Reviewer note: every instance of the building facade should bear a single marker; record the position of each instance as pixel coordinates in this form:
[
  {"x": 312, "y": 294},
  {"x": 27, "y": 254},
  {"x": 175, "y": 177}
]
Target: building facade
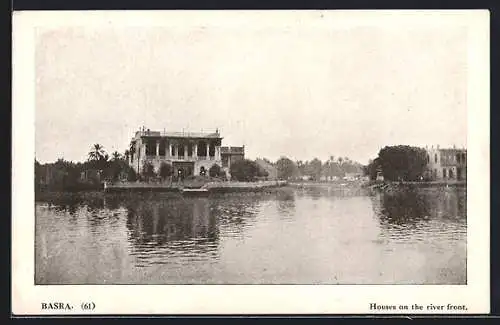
[
  {"x": 229, "y": 156},
  {"x": 446, "y": 163},
  {"x": 187, "y": 152}
]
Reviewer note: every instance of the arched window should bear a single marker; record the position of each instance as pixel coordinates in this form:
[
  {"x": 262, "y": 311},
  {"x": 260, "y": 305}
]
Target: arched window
[
  {"x": 202, "y": 171},
  {"x": 435, "y": 158},
  {"x": 450, "y": 173}
]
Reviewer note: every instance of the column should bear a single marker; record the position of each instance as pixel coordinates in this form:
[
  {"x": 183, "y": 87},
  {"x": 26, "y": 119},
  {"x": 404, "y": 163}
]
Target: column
[
  {"x": 170, "y": 149},
  {"x": 157, "y": 149},
  {"x": 208, "y": 152},
  {"x": 195, "y": 151},
  {"x": 185, "y": 151}
]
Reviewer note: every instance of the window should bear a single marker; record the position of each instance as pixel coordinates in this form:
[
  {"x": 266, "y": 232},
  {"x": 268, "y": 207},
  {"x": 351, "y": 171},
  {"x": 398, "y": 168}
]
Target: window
[
  {"x": 150, "y": 148},
  {"x": 450, "y": 173},
  {"x": 202, "y": 149},
  {"x": 163, "y": 148},
  {"x": 211, "y": 150},
  {"x": 173, "y": 151},
  {"x": 435, "y": 158},
  {"x": 444, "y": 173}
]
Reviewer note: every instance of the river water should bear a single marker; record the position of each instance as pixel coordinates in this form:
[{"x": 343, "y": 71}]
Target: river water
[{"x": 318, "y": 235}]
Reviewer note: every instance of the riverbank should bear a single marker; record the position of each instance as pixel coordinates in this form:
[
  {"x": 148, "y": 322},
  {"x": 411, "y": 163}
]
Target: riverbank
[
  {"x": 410, "y": 185},
  {"x": 210, "y": 186},
  {"x": 97, "y": 197}
]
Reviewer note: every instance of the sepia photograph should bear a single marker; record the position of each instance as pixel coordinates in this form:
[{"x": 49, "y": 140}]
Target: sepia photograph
[{"x": 292, "y": 149}]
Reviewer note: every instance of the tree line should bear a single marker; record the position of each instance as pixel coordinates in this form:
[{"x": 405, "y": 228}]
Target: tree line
[
  {"x": 316, "y": 169},
  {"x": 67, "y": 175},
  {"x": 100, "y": 166}
]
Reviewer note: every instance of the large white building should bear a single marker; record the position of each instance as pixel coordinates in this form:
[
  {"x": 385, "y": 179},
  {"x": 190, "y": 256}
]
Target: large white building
[{"x": 189, "y": 153}]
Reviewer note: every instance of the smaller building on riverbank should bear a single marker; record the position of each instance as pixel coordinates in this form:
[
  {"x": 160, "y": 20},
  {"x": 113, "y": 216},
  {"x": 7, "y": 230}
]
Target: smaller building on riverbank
[
  {"x": 446, "y": 163},
  {"x": 231, "y": 155}
]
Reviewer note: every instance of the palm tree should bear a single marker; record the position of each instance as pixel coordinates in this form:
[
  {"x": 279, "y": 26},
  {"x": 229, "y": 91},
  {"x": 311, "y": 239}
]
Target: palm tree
[
  {"x": 98, "y": 157},
  {"x": 97, "y": 153},
  {"x": 115, "y": 156}
]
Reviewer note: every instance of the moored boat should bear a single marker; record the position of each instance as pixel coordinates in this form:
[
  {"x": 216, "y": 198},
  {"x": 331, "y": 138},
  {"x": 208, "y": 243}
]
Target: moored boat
[{"x": 195, "y": 191}]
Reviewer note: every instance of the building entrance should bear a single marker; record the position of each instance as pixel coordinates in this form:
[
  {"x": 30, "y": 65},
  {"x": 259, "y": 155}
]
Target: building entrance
[{"x": 183, "y": 169}]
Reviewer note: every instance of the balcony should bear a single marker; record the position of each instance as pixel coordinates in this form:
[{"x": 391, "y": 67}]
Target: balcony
[{"x": 190, "y": 158}]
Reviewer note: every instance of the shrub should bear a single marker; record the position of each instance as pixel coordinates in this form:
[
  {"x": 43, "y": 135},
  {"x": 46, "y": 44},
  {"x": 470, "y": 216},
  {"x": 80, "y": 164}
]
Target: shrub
[
  {"x": 148, "y": 170},
  {"x": 244, "y": 170},
  {"x": 166, "y": 170},
  {"x": 215, "y": 171}
]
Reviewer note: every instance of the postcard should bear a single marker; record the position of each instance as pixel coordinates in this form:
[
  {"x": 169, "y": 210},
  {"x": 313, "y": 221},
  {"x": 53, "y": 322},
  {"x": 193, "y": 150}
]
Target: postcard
[{"x": 250, "y": 162}]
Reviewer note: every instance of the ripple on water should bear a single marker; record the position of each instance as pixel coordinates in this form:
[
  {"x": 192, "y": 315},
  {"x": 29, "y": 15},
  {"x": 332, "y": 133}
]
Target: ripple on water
[{"x": 303, "y": 236}]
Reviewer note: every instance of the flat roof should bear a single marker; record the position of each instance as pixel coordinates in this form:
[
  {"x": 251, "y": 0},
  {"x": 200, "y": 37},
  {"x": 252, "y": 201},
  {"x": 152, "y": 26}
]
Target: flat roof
[{"x": 212, "y": 135}]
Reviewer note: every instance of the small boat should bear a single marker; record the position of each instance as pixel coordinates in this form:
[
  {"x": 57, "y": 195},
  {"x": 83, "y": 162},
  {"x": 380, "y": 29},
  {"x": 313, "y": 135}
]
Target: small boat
[{"x": 195, "y": 191}]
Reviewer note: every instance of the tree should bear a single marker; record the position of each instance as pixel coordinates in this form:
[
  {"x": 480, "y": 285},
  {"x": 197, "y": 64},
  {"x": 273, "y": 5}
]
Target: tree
[
  {"x": 313, "y": 169},
  {"x": 38, "y": 174},
  {"x": 132, "y": 150},
  {"x": 244, "y": 170},
  {"x": 116, "y": 156},
  {"x": 166, "y": 170},
  {"x": 372, "y": 168},
  {"x": 98, "y": 157},
  {"x": 131, "y": 175},
  {"x": 97, "y": 153},
  {"x": 215, "y": 171},
  {"x": 286, "y": 168},
  {"x": 402, "y": 162},
  {"x": 148, "y": 170}
]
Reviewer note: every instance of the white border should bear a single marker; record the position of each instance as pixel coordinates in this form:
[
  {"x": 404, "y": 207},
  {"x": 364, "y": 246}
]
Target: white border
[{"x": 247, "y": 299}]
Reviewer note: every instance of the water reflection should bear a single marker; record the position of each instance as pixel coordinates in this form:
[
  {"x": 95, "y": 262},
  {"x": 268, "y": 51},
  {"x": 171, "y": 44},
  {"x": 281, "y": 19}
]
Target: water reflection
[
  {"x": 286, "y": 203},
  {"x": 426, "y": 229},
  {"x": 159, "y": 222},
  {"x": 414, "y": 206},
  {"x": 321, "y": 235},
  {"x": 175, "y": 226},
  {"x": 235, "y": 213},
  {"x": 339, "y": 190}
]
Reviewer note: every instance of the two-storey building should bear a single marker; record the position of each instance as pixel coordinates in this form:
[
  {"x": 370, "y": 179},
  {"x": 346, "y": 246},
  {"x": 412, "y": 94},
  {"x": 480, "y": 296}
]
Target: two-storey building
[
  {"x": 189, "y": 153},
  {"x": 447, "y": 163}
]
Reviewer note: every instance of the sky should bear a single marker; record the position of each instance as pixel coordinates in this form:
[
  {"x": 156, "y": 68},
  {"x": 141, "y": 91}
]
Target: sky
[{"x": 298, "y": 90}]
